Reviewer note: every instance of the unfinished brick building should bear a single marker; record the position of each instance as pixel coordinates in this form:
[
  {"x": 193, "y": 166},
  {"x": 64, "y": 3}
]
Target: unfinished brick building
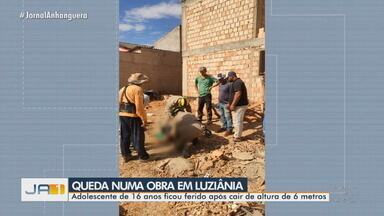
[{"x": 224, "y": 35}]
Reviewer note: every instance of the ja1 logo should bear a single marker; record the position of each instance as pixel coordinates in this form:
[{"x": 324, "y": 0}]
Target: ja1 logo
[
  {"x": 44, "y": 189},
  {"x": 51, "y": 189}
]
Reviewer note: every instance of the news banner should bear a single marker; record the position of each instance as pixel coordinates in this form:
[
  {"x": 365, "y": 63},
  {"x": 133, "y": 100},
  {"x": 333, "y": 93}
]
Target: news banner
[{"x": 154, "y": 190}]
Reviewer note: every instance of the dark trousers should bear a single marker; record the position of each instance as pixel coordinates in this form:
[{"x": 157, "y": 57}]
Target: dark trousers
[
  {"x": 207, "y": 100},
  {"x": 131, "y": 131}
]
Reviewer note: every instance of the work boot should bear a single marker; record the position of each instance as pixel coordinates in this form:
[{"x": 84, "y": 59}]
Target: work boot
[
  {"x": 127, "y": 158},
  {"x": 144, "y": 157},
  {"x": 237, "y": 139},
  {"x": 186, "y": 152},
  {"x": 227, "y": 133}
]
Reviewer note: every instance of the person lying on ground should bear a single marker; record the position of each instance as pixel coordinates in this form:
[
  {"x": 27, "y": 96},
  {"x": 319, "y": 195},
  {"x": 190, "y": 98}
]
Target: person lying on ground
[{"x": 183, "y": 131}]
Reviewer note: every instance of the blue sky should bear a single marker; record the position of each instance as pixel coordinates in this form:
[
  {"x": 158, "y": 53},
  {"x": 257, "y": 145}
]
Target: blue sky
[{"x": 145, "y": 21}]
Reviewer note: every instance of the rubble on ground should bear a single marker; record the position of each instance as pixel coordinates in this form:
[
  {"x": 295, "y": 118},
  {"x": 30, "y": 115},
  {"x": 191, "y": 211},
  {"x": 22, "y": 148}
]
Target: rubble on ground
[
  {"x": 177, "y": 166},
  {"x": 242, "y": 155}
]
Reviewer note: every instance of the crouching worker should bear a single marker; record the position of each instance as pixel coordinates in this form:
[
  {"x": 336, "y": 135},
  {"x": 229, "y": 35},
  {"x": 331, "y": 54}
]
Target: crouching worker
[
  {"x": 183, "y": 131},
  {"x": 133, "y": 118},
  {"x": 175, "y": 104}
]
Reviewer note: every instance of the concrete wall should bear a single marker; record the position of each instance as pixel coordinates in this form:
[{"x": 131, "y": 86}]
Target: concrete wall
[
  {"x": 170, "y": 41},
  {"x": 222, "y": 36},
  {"x": 163, "y": 67}
]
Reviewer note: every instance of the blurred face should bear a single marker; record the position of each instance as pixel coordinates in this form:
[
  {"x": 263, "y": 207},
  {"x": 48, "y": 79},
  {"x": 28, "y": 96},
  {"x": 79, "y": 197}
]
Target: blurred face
[
  {"x": 203, "y": 72},
  {"x": 231, "y": 79}
]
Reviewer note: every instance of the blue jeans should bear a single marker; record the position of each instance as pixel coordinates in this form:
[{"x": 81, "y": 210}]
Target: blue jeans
[{"x": 225, "y": 117}]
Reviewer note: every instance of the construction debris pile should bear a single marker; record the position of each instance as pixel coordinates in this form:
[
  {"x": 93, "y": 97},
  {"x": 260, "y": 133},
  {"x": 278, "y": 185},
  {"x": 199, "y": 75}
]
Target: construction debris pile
[{"x": 216, "y": 156}]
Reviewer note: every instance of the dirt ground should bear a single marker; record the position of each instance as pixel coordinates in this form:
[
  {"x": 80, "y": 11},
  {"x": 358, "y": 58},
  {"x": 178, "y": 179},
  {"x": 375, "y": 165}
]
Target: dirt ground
[{"x": 217, "y": 156}]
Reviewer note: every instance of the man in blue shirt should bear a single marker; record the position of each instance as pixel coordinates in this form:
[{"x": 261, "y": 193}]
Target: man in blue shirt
[{"x": 225, "y": 113}]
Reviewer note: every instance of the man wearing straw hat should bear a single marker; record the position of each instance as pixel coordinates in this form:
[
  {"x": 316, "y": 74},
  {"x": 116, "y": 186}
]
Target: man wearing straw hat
[{"x": 133, "y": 118}]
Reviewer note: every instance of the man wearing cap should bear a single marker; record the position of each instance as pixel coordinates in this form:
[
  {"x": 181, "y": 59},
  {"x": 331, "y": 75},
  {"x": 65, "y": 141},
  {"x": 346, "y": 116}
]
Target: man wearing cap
[
  {"x": 238, "y": 103},
  {"x": 224, "y": 97},
  {"x": 203, "y": 85},
  {"x": 133, "y": 118}
]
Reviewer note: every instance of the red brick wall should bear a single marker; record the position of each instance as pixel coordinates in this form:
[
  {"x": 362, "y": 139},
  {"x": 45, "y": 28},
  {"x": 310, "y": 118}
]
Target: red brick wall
[
  {"x": 214, "y": 22},
  {"x": 164, "y": 68},
  {"x": 219, "y": 35}
]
